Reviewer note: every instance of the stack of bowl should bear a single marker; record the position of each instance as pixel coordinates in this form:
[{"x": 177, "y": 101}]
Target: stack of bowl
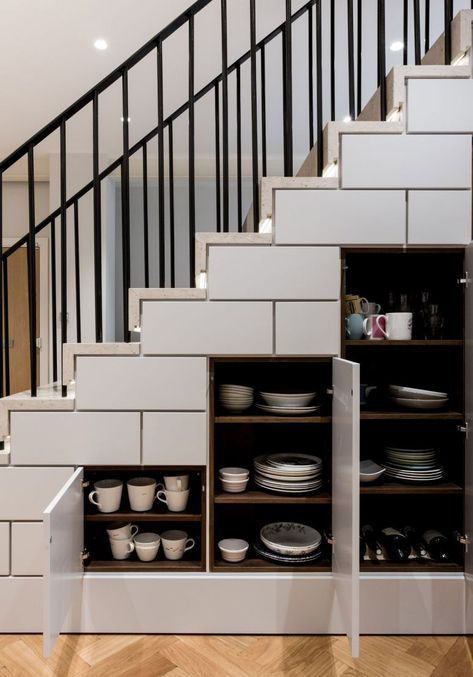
[
  {"x": 234, "y": 480},
  {"x": 288, "y": 403},
  {"x": 236, "y": 398},
  {"x": 233, "y": 549}
]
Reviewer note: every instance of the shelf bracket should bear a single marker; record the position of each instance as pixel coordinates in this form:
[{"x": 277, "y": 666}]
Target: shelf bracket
[
  {"x": 329, "y": 391},
  {"x": 85, "y": 484},
  {"x": 464, "y": 540},
  {"x": 465, "y": 280},
  {"x": 464, "y": 429}
]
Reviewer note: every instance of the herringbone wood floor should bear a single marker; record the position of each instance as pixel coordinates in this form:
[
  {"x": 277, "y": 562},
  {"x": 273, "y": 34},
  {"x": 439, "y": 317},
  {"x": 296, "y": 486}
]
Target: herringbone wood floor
[{"x": 230, "y": 656}]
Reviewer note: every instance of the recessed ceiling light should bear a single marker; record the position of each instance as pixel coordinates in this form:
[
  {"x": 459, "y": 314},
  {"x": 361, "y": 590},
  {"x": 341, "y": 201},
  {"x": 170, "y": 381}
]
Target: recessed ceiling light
[
  {"x": 101, "y": 44},
  {"x": 396, "y": 46}
]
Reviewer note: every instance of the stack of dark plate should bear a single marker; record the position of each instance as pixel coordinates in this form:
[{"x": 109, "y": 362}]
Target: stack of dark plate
[
  {"x": 289, "y": 543},
  {"x": 411, "y": 464},
  {"x": 288, "y": 473}
]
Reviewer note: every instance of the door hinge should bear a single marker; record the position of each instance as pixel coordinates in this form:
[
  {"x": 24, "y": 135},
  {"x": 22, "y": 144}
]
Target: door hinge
[
  {"x": 464, "y": 429},
  {"x": 464, "y": 540},
  {"x": 331, "y": 540},
  {"x": 84, "y": 484},
  {"x": 84, "y": 555},
  {"x": 465, "y": 280},
  {"x": 329, "y": 391}
]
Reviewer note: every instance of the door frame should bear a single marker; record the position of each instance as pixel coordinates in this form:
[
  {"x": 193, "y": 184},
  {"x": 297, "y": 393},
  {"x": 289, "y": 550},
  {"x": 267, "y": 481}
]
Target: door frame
[{"x": 44, "y": 307}]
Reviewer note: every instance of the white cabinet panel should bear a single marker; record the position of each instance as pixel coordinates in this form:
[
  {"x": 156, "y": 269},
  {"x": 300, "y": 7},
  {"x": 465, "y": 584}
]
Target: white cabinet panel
[
  {"x": 308, "y": 328},
  {"x": 62, "y": 438},
  {"x": 272, "y": 273},
  {"x": 340, "y": 217},
  {"x": 206, "y": 328},
  {"x": 25, "y": 492},
  {"x": 171, "y": 438},
  {"x": 406, "y": 161},
  {"x": 4, "y": 548},
  {"x": 440, "y": 105},
  {"x": 21, "y": 609},
  {"x": 143, "y": 383},
  {"x": 439, "y": 217},
  {"x": 27, "y": 549}
]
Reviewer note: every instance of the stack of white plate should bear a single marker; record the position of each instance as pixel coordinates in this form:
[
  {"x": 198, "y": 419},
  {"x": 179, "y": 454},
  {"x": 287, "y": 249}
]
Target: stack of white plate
[
  {"x": 416, "y": 398},
  {"x": 289, "y": 542},
  {"x": 288, "y": 403},
  {"x": 288, "y": 473},
  {"x": 412, "y": 464},
  {"x": 236, "y": 398}
]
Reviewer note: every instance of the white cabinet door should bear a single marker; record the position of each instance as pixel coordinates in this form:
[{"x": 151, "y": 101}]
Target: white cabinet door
[
  {"x": 63, "y": 544},
  {"x": 346, "y": 494},
  {"x": 469, "y": 442}
]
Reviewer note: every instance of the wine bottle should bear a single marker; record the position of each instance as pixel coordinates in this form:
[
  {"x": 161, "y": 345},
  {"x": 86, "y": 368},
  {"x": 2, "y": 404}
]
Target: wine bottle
[
  {"x": 437, "y": 545},
  {"x": 369, "y": 536},
  {"x": 413, "y": 537},
  {"x": 394, "y": 544}
]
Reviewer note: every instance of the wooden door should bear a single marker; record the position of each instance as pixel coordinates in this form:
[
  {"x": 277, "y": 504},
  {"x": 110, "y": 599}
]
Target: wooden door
[{"x": 18, "y": 319}]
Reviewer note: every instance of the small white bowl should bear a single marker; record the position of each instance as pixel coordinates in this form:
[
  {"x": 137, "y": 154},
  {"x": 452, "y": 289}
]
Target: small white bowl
[
  {"x": 233, "y": 549},
  {"x": 234, "y": 486},
  {"x": 234, "y": 474}
]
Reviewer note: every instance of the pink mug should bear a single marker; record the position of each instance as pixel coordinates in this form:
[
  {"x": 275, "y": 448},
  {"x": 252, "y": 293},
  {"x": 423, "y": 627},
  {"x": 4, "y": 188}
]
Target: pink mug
[{"x": 374, "y": 327}]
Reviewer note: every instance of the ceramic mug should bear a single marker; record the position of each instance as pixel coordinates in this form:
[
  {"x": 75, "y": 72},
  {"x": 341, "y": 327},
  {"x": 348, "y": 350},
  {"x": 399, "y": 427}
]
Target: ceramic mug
[
  {"x": 354, "y": 326},
  {"x": 141, "y": 493},
  {"x": 109, "y": 495},
  {"x": 353, "y": 304},
  {"x": 121, "y": 547},
  {"x": 373, "y": 327},
  {"x": 175, "y": 483},
  {"x": 147, "y": 546},
  {"x": 369, "y": 308},
  {"x": 176, "y": 543},
  {"x": 122, "y": 530},
  {"x": 398, "y": 326},
  {"x": 176, "y": 501}
]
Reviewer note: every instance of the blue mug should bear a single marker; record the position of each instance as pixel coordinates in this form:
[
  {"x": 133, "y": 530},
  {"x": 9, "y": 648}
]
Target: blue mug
[{"x": 354, "y": 326}]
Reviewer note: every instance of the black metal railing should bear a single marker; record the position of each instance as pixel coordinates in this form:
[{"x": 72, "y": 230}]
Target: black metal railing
[{"x": 226, "y": 92}]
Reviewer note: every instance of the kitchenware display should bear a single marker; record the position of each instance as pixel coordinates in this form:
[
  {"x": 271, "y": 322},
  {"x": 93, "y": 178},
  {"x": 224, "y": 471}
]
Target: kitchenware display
[
  {"x": 353, "y": 304},
  {"x": 369, "y": 308},
  {"x": 234, "y": 480},
  {"x": 121, "y": 547},
  {"x": 374, "y": 326},
  {"x": 176, "y": 543},
  {"x": 288, "y": 473},
  {"x": 398, "y": 326},
  {"x": 412, "y": 464},
  {"x": 370, "y": 471},
  {"x": 147, "y": 546},
  {"x": 233, "y": 549},
  {"x": 141, "y": 493},
  {"x": 290, "y": 538},
  {"x": 354, "y": 326},
  {"x": 175, "y": 483},
  {"x": 108, "y": 495},
  {"x": 416, "y": 398},
  {"x": 122, "y": 530},
  {"x": 176, "y": 501},
  {"x": 236, "y": 398}
]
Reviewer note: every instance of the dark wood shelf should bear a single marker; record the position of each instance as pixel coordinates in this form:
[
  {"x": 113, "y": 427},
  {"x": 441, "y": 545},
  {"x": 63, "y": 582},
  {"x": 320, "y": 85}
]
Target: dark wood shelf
[
  {"x": 398, "y": 489},
  {"x": 402, "y": 415},
  {"x": 255, "y": 418},
  {"x": 260, "y": 565},
  {"x": 127, "y": 565},
  {"x": 151, "y": 516},
  {"x": 412, "y": 566},
  {"x": 261, "y": 497},
  {"x": 420, "y": 343}
]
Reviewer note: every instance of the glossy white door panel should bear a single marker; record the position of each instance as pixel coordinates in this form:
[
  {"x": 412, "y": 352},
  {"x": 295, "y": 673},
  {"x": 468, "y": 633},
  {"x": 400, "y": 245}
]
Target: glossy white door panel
[
  {"x": 206, "y": 328},
  {"x": 142, "y": 383},
  {"x": 27, "y": 549},
  {"x": 22, "y": 604},
  {"x": 308, "y": 328},
  {"x": 175, "y": 438},
  {"x": 60, "y": 438},
  {"x": 345, "y": 217},
  {"x": 406, "y": 161},
  {"x": 439, "y": 217},
  {"x": 439, "y": 105},
  {"x": 25, "y": 492},
  {"x": 63, "y": 544},
  {"x": 469, "y": 441},
  {"x": 4, "y": 548},
  {"x": 346, "y": 494},
  {"x": 273, "y": 273}
]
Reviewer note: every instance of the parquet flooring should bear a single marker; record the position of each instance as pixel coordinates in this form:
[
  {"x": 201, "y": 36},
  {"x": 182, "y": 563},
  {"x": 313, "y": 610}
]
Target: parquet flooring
[{"x": 235, "y": 656}]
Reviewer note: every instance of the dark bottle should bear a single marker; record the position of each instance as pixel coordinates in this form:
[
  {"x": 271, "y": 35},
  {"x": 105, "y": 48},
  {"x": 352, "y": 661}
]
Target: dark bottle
[
  {"x": 413, "y": 537},
  {"x": 369, "y": 536},
  {"x": 395, "y": 545},
  {"x": 437, "y": 545}
]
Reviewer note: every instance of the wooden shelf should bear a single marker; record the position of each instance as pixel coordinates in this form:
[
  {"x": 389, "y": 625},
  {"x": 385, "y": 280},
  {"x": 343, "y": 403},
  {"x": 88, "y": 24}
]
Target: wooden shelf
[
  {"x": 272, "y": 419},
  {"x": 260, "y": 565},
  {"x": 420, "y": 343},
  {"x": 399, "y": 415},
  {"x": 261, "y": 497},
  {"x": 398, "y": 489},
  {"x": 128, "y": 565},
  {"x": 412, "y": 566},
  {"x": 151, "y": 516}
]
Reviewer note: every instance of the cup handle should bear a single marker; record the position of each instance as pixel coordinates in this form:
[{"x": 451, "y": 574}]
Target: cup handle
[
  {"x": 378, "y": 308},
  {"x": 91, "y": 499},
  {"x": 134, "y": 530},
  {"x": 365, "y": 325},
  {"x": 131, "y": 547},
  {"x": 160, "y": 487},
  {"x": 378, "y": 317},
  {"x": 191, "y": 544},
  {"x": 362, "y": 301},
  {"x": 158, "y": 496},
  {"x": 347, "y": 330}
]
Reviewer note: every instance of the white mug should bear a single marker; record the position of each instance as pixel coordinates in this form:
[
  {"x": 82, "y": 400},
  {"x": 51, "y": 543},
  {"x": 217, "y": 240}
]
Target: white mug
[
  {"x": 176, "y": 501},
  {"x": 147, "y": 546},
  {"x": 176, "y": 543},
  {"x": 398, "y": 326},
  {"x": 121, "y": 547},
  {"x": 120, "y": 530},
  {"x": 175, "y": 482},
  {"x": 141, "y": 493},
  {"x": 109, "y": 495}
]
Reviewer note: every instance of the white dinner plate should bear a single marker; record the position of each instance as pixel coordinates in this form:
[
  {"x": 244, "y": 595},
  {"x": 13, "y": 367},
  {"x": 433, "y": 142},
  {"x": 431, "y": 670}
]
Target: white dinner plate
[
  {"x": 287, "y": 411},
  {"x": 290, "y": 538}
]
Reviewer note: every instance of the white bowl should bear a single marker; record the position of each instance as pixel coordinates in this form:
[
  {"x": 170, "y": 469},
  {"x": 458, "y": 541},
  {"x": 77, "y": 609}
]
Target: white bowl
[
  {"x": 235, "y": 474},
  {"x": 409, "y": 403},
  {"x": 234, "y": 487},
  {"x": 295, "y": 400},
  {"x": 233, "y": 549},
  {"x": 416, "y": 393},
  {"x": 370, "y": 471}
]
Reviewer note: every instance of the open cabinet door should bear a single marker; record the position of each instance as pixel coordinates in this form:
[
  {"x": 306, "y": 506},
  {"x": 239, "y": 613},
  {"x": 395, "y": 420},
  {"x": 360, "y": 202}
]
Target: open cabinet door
[
  {"x": 346, "y": 494},
  {"x": 469, "y": 441},
  {"x": 63, "y": 523}
]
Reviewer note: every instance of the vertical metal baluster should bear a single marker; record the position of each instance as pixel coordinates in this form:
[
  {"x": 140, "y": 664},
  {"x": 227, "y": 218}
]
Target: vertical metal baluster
[
  {"x": 310, "y": 56},
  {"x": 359, "y": 63},
  {"x": 263, "y": 112},
  {"x": 254, "y": 115},
  {"x": 1, "y": 292},
  {"x": 77, "y": 270},
  {"x": 63, "y": 217},
  {"x": 6, "y": 325},
  {"x": 417, "y": 32},
  {"x": 238, "y": 123},
  {"x": 125, "y": 205},
  {"x": 351, "y": 61},
  {"x": 405, "y": 32},
  {"x": 145, "y": 214},
  {"x": 217, "y": 159},
  {"x": 54, "y": 298},
  {"x": 191, "y": 154},
  {"x": 448, "y": 16},
  {"x": 225, "y": 172},
  {"x": 31, "y": 252},
  {"x": 161, "y": 210},
  {"x": 427, "y": 27},
  {"x": 287, "y": 91},
  {"x": 332, "y": 58},
  {"x": 172, "y": 243},
  {"x": 319, "y": 102},
  {"x": 382, "y": 58},
  {"x": 97, "y": 222}
]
